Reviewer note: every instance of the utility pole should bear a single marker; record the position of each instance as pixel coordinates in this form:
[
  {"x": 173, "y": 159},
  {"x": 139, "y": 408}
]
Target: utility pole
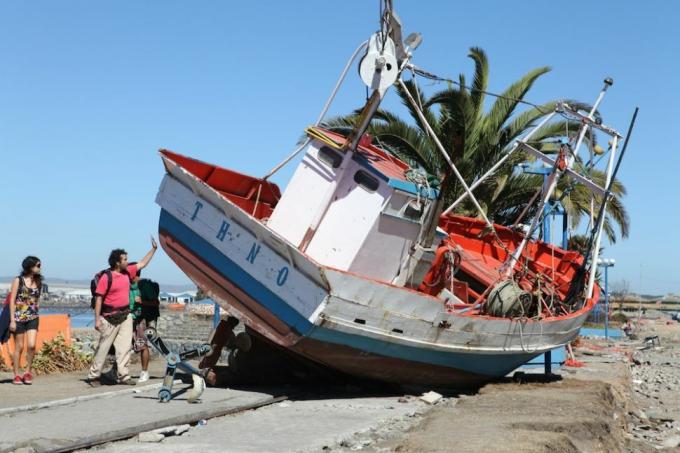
[
  {"x": 606, "y": 264},
  {"x": 640, "y": 297}
]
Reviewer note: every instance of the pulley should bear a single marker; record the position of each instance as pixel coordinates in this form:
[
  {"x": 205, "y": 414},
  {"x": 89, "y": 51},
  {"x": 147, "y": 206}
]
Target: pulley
[{"x": 379, "y": 68}]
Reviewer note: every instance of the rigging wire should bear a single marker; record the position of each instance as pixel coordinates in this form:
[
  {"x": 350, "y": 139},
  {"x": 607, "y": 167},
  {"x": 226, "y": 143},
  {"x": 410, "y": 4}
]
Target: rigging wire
[{"x": 431, "y": 76}]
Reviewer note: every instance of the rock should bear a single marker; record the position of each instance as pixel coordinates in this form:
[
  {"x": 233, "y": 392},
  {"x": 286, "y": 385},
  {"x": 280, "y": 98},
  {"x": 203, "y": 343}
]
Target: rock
[
  {"x": 659, "y": 416},
  {"x": 25, "y": 450},
  {"x": 639, "y": 414},
  {"x": 150, "y": 436},
  {"x": 431, "y": 397},
  {"x": 671, "y": 442}
]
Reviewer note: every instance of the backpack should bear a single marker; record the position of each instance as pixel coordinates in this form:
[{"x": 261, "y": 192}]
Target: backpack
[
  {"x": 9, "y": 294},
  {"x": 149, "y": 290},
  {"x": 95, "y": 281}
]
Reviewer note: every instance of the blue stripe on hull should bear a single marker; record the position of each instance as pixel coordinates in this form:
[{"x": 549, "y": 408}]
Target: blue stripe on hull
[
  {"x": 474, "y": 362},
  {"x": 234, "y": 273},
  {"x": 488, "y": 365}
]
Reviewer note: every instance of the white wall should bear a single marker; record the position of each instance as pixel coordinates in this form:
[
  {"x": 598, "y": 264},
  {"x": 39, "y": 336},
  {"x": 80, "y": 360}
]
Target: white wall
[
  {"x": 303, "y": 195},
  {"x": 354, "y": 235},
  {"x": 348, "y": 221}
]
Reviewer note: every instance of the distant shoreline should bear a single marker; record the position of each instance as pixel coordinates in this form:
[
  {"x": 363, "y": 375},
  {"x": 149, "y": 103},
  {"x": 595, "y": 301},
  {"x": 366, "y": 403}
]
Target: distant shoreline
[{"x": 85, "y": 284}]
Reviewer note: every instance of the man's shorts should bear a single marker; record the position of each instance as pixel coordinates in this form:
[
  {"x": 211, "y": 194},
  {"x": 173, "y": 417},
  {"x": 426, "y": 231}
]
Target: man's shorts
[
  {"x": 139, "y": 341},
  {"x": 24, "y": 326}
]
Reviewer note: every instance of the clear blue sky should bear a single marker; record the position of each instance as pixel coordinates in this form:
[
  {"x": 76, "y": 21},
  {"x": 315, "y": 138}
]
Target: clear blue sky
[{"x": 90, "y": 90}]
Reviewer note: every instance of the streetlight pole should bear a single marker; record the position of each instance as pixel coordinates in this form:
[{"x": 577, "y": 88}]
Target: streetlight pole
[{"x": 606, "y": 263}]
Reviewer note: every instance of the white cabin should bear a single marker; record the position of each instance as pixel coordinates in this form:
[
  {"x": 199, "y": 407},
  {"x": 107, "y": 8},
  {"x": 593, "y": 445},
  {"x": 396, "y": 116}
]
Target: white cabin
[{"x": 358, "y": 214}]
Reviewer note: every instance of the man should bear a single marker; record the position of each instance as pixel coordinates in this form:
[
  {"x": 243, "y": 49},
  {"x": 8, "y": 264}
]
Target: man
[
  {"x": 112, "y": 315},
  {"x": 144, "y": 304}
]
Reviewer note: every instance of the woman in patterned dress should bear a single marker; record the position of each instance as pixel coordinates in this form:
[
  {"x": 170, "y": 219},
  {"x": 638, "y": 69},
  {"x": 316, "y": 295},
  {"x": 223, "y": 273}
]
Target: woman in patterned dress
[{"x": 24, "y": 319}]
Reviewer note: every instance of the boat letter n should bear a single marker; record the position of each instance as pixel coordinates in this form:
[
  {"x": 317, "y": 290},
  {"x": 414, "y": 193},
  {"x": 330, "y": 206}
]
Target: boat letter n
[
  {"x": 254, "y": 250},
  {"x": 223, "y": 230}
]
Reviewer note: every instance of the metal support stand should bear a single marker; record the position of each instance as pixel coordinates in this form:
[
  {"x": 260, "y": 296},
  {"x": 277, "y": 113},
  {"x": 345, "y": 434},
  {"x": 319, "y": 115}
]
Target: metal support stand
[
  {"x": 548, "y": 210},
  {"x": 548, "y": 362},
  {"x": 216, "y": 315},
  {"x": 178, "y": 360}
]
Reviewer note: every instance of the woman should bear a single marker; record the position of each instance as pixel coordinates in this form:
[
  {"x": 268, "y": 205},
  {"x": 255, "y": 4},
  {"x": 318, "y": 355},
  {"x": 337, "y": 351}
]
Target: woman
[{"x": 23, "y": 312}]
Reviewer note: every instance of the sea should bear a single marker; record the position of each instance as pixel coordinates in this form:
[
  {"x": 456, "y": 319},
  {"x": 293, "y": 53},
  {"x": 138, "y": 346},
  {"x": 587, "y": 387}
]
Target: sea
[{"x": 81, "y": 317}]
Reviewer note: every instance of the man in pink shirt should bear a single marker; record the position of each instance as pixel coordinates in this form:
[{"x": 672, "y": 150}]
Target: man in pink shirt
[{"x": 112, "y": 314}]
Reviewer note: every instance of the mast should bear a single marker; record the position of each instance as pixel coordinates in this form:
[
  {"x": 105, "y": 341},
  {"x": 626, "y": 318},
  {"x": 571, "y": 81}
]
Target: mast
[
  {"x": 379, "y": 69},
  {"x": 563, "y": 163}
]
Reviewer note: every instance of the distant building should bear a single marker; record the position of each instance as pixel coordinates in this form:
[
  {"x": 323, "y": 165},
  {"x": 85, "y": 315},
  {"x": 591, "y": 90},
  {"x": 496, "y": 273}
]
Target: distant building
[{"x": 184, "y": 297}]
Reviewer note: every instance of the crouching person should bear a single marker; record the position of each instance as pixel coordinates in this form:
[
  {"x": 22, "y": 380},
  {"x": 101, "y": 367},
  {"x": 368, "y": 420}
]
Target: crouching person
[{"x": 112, "y": 317}]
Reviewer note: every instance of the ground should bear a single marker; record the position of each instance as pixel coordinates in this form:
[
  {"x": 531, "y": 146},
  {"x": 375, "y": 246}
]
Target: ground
[{"x": 625, "y": 398}]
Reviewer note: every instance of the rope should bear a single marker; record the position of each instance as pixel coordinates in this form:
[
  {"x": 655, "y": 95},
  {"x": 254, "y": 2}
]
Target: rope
[{"x": 521, "y": 335}]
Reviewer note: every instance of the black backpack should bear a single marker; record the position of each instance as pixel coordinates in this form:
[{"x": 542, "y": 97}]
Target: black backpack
[
  {"x": 95, "y": 281},
  {"x": 149, "y": 290}
]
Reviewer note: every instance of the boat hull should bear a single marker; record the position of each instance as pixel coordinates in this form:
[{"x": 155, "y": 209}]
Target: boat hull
[
  {"x": 343, "y": 321},
  {"x": 325, "y": 348}
]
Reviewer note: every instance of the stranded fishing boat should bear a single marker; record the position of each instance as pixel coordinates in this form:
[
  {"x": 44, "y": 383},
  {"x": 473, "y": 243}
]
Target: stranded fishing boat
[{"x": 355, "y": 267}]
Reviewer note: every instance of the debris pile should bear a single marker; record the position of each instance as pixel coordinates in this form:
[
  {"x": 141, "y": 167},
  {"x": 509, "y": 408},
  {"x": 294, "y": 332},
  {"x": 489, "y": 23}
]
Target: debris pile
[
  {"x": 656, "y": 382},
  {"x": 56, "y": 356}
]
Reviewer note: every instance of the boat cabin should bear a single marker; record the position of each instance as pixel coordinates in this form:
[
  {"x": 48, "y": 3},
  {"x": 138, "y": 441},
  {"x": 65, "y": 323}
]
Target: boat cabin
[{"x": 359, "y": 212}]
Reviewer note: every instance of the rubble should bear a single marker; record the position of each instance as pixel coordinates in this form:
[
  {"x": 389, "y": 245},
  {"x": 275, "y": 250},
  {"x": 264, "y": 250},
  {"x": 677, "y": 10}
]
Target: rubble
[
  {"x": 431, "y": 397},
  {"x": 150, "y": 437},
  {"x": 656, "y": 390}
]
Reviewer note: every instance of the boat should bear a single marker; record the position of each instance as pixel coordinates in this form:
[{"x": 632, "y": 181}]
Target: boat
[{"x": 353, "y": 267}]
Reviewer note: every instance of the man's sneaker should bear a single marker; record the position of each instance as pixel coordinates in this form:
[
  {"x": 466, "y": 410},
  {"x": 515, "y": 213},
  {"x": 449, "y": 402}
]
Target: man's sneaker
[
  {"x": 28, "y": 378},
  {"x": 143, "y": 377},
  {"x": 17, "y": 380},
  {"x": 127, "y": 381},
  {"x": 94, "y": 382}
]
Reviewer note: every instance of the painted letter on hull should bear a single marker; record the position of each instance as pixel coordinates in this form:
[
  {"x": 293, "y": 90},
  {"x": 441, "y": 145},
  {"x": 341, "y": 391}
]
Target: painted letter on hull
[{"x": 240, "y": 256}]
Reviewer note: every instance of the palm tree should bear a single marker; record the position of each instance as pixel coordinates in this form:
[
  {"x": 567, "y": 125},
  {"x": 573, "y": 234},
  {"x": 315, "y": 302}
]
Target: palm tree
[{"x": 476, "y": 138}]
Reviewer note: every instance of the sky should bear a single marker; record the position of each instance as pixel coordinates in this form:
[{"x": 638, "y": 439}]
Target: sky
[{"x": 89, "y": 91}]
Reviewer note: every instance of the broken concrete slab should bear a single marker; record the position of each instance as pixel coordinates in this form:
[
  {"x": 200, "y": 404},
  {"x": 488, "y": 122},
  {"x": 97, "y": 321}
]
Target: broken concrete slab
[
  {"x": 150, "y": 437},
  {"x": 431, "y": 397},
  {"x": 175, "y": 430}
]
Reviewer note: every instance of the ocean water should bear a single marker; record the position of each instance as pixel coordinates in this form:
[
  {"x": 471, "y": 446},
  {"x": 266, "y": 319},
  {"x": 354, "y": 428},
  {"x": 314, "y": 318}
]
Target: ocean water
[{"x": 80, "y": 317}]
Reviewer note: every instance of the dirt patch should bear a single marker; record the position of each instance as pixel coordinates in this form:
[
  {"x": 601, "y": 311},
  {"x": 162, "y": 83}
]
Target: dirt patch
[{"x": 565, "y": 416}]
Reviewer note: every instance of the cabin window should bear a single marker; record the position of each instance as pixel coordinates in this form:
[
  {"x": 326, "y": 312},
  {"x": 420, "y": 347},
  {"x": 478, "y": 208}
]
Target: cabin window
[
  {"x": 414, "y": 210},
  {"x": 330, "y": 157},
  {"x": 366, "y": 181}
]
